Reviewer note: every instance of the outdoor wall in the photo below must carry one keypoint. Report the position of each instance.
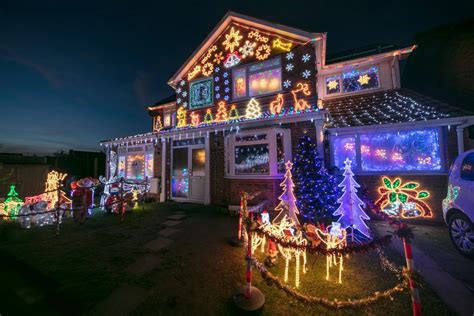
(28, 179)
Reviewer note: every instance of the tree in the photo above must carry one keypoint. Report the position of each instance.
(287, 205)
(253, 110)
(233, 113)
(158, 125)
(208, 117)
(221, 114)
(351, 206)
(13, 203)
(316, 190)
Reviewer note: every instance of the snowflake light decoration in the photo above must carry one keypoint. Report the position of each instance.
(289, 67)
(226, 90)
(178, 100)
(218, 57)
(226, 74)
(232, 39)
(226, 82)
(290, 56)
(217, 69)
(178, 91)
(306, 57)
(247, 49)
(306, 73)
(287, 84)
(184, 94)
(216, 79)
(182, 83)
(218, 96)
(217, 88)
(226, 98)
(185, 104)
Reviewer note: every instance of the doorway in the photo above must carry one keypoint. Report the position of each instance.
(188, 175)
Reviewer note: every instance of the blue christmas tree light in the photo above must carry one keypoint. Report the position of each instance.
(316, 190)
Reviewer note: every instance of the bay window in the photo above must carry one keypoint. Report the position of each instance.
(404, 150)
(258, 153)
(136, 163)
(257, 79)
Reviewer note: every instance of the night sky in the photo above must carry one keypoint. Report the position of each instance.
(74, 74)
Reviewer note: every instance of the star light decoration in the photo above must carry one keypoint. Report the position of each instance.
(232, 40)
(247, 49)
(363, 79)
(332, 84)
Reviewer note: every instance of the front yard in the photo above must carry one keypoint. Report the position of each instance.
(197, 271)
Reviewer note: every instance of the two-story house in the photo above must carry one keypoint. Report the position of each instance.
(252, 88)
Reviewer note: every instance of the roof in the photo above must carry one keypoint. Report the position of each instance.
(360, 52)
(393, 106)
(239, 18)
(164, 101)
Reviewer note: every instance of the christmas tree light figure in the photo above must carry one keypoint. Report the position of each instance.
(316, 190)
(13, 203)
(208, 117)
(233, 113)
(253, 110)
(287, 205)
(158, 125)
(350, 208)
(221, 115)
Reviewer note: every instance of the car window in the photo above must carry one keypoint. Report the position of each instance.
(467, 168)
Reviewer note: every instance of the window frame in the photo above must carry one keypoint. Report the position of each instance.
(358, 169)
(191, 83)
(271, 141)
(128, 151)
(341, 85)
(248, 73)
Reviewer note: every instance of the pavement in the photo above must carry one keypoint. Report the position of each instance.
(448, 273)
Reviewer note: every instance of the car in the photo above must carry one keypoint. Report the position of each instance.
(458, 206)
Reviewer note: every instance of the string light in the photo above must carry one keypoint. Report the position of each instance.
(221, 115)
(285, 46)
(253, 110)
(263, 51)
(333, 238)
(207, 69)
(158, 125)
(181, 117)
(195, 119)
(232, 39)
(301, 104)
(193, 73)
(208, 117)
(277, 104)
(402, 200)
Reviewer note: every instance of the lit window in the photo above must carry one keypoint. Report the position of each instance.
(201, 94)
(358, 80)
(333, 84)
(262, 153)
(167, 119)
(258, 79)
(418, 150)
(136, 163)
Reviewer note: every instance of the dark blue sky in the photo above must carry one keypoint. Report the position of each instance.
(73, 73)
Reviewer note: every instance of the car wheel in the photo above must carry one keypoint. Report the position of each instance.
(461, 231)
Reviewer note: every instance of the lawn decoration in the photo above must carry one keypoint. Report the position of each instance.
(13, 203)
(287, 205)
(334, 238)
(351, 210)
(402, 200)
(53, 194)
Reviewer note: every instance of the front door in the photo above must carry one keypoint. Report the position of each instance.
(188, 173)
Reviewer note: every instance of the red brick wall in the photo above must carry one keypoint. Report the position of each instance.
(217, 165)
(270, 189)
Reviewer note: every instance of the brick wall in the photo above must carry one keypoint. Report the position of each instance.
(217, 165)
(270, 189)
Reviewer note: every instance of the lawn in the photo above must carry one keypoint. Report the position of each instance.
(197, 275)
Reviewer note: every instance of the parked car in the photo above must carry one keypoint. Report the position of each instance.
(458, 206)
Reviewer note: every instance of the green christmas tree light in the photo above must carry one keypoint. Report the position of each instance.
(13, 203)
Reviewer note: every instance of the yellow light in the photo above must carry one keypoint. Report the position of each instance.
(208, 117)
(181, 117)
(158, 126)
(277, 105)
(232, 39)
(263, 51)
(263, 83)
(253, 109)
(332, 84)
(363, 79)
(278, 43)
(195, 119)
(207, 69)
(194, 72)
(208, 54)
(257, 36)
(221, 115)
(52, 184)
(300, 104)
(333, 242)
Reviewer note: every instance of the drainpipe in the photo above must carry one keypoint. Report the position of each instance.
(163, 170)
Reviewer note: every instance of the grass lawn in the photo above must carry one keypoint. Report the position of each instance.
(198, 273)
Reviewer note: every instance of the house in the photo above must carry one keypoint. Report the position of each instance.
(252, 88)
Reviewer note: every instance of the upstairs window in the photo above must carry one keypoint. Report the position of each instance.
(257, 79)
(200, 93)
(353, 81)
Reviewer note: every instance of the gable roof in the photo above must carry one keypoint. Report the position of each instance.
(244, 19)
(393, 106)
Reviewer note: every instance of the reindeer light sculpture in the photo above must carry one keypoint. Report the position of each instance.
(333, 238)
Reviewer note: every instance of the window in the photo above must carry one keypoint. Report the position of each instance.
(353, 81)
(415, 150)
(201, 94)
(168, 118)
(467, 167)
(258, 153)
(136, 163)
(257, 79)
(358, 80)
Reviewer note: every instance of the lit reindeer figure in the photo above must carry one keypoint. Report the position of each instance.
(285, 230)
(334, 238)
(300, 104)
(277, 104)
